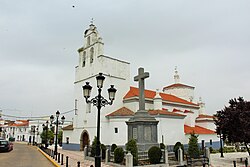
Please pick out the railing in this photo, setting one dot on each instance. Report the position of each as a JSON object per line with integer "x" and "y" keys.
{"x": 198, "y": 161}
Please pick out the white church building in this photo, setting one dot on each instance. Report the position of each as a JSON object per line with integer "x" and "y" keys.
{"x": 178, "y": 114}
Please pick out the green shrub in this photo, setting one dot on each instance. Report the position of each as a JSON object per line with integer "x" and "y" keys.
{"x": 193, "y": 147}
{"x": 118, "y": 155}
{"x": 93, "y": 147}
{"x": 11, "y": 139}
{"x": 113, "y": 147}
{"x": 162, "y": 146}
{"x": 132, "y": 147}
{"x": 228, "y": 149}
{"x": 154, "y": 155}
{"x": 176, "y": 148}
{"x": 103, "y": 148}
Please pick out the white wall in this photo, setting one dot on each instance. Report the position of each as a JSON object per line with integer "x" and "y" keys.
{"x": 172, "y": 130}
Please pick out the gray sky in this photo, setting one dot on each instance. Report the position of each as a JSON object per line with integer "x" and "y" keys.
{"x": 209, "y": 42}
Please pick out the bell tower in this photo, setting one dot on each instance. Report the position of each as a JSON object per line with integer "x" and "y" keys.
{"x": 88, "y": 54}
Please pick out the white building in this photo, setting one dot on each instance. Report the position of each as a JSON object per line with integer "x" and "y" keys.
{"x": 174, "y": 107}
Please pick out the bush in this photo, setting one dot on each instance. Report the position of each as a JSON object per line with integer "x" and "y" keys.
{"x": 154, "y": 155}
{"x": 11, "y": 139}
{"x": 93, "y": 147}
{"x": 162, "y": 146}
{"x": 132, "y": 147}
{"x": 103, "y": 148}
{"x": 176, "y": 148}
{"x": 113, "y": 147}
{"x": 118, "y": 155}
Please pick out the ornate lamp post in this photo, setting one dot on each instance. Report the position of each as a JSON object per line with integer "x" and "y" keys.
{"x": 99, "y": 102}
{"x": 45, "y": 127}
{"x": 56, "y": 122}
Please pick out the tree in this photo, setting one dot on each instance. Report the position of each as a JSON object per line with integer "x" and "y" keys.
{"x": 193, "y": 147}
{"x": 50, "y": 136}
{"x": 60, "y": 137}
{"x": 233, "y": 122}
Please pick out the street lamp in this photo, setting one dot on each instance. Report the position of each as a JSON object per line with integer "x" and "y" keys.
{"x": 56, "y": 122}
{"x": 33, "y": 132}
{"x": 45, "y": 127}
{"x": 221, "y": 147}
{"x": 99, "y": 102}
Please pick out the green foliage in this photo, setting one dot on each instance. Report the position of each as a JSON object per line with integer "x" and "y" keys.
{"x": 154, "y": 155}
{"x": 113, "y": 147}
{"x": 233, "y": 121}
{"x": 93, "y": 147}
{"x": 118, "y": 155}
{"x": 162, "y": 146}
{"x": 228, "y": 149}
{"x": 50, "y": 136}
{"x": 103, "y": 148}
{"x": 11, "y": 139}
{"x": 193, "y": 147}
{"x": 176, "y": 147}
{"x": 132, "y": 147}
{"x": 60, "y": 137}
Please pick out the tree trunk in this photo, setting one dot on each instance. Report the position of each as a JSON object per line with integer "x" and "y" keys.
{"x": 247, "y": 148}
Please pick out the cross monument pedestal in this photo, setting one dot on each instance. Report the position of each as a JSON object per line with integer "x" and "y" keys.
{"x": 142, "y": 127}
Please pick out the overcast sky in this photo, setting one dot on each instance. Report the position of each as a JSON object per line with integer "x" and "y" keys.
{"x": 209, "y": 42}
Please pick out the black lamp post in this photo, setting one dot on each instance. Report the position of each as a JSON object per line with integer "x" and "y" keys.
{"x": 99, "y": 102}
{"x": 45, "y": 127}
{"x": 33, "y": 131}
{"x": 56, "y": 122}
{"x": 221, "y": 147}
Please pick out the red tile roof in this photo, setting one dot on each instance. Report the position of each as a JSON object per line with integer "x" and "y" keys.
{"x": 122, "y": 112}
{"x": 177, "y": 85}
{"x": 134, "y": 92}
{"x": 127, "y": 112}
{"x": 188, "y": 111}
{"x": 20, "y": 123}
{"x": 163, "y": 112}
{"x": 197, "y": 130}
{"x": 69, "y": 127}
{"x": 205, "y": 116}
{"x": 176, "y": 110}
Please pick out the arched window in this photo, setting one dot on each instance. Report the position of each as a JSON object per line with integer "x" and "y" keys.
{"x": 88, "y": 41}
{"x": 91, "y": 55}
{"x": 84, "y": 59}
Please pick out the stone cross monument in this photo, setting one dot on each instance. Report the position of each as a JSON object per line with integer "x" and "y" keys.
{"x": 142, "y": 127}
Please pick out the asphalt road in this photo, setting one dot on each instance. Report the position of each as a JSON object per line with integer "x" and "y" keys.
{"x": 24, "y": 155}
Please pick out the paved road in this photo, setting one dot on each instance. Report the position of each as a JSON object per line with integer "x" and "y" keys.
{"x": 24, "y": 156}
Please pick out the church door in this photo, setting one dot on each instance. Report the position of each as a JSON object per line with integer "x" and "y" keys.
{"x": 84, "y": 141}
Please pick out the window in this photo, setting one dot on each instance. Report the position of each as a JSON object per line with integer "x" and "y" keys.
{"x": 84, "y": 59}
{"x": 88, "y": 41}
{"x": 134, "y": 133}
{"x": 67, "y": 140}
{"x": 116, "y": 130}
{"x": 91, "y": 55}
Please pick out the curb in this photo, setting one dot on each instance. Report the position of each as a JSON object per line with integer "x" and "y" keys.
{"x": 49, "y": 158}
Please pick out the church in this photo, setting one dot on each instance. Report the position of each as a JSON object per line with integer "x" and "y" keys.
{"x": 173, "y": 106}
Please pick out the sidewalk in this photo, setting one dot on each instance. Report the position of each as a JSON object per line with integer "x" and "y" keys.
{"x": 228, "y": 159}
{"x": 75, "y": 156}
